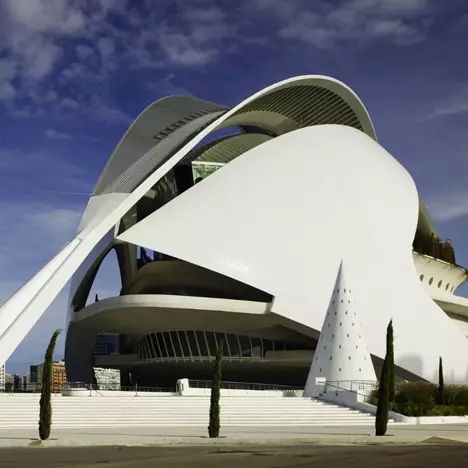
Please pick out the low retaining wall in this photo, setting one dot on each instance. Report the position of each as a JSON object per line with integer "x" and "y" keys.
{"x": 356, "y": 401}
{"x": 185, "y": 390}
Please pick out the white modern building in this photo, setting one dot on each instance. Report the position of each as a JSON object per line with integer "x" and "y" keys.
{"x": 231, "y": 224}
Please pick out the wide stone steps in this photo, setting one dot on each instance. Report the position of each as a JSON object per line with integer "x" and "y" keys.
{"x": 22, "y": 411}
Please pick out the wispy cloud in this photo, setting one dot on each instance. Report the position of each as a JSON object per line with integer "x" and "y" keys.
{"x": 56, "y": 135}
{"x": 51, "y": 47}
{"x": 323, "y": 25}
{"x": 451, "y": 100}
{"x": 449, "y": 206}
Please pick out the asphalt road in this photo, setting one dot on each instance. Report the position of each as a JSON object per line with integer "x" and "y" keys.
{"x": 387, "y": 456}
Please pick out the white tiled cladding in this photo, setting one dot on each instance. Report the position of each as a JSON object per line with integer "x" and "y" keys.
{"x": 440, "y": 278}
{"x": 20, "y": 411}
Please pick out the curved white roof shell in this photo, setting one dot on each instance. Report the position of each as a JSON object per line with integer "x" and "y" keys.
{"x": 327, "y": 171}
{"x": 285, "y": 233}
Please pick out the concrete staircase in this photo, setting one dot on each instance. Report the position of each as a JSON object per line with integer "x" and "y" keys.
{"x": 22, "y": 411}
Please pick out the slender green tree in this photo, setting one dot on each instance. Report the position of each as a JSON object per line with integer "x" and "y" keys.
{"x": 45, "y": 412}
{"x": 391, "y": 364}
{"x": 441, "y": 388}
{"x": 214, "y": 426}
{"x": 383, "y": 405}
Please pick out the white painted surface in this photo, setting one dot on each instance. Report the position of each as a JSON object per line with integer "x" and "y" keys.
{"x": 348, "y": 199}
{"x": 435, "y": 420}
{"x": 440, "y": 278}
{"x": 19, "y": 314}
{"x": 341, "y": 353}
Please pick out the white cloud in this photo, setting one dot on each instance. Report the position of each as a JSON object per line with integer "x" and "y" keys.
{"x": 449, "y": 206}
{"x": 40, "y": 59}
{"x": 83, "y": 51}
{"x": 7, "y": 74}
{"x": 69, "y": 103}
{"x": 453, "y": 100}
{"x": 167, "y": 86}
{"x": 7, "y": 91}
{"x": 181, "y": 50}
{"x": 200, "y": 41}
{"x": 39, "y": 222}
{"x": 322, "y": 25}
{"x": 56, "y": 135}
{"x": 37, "y": 77}
{"x": 106, "y": 46}
{"x": 46, "y": 15}
{"x": 107, "y": 112}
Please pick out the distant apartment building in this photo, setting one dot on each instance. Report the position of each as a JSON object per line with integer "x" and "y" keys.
{"x": 35, "y": 375}
{"x": 9, "y": 380}
{"x": 2, "y": 377}
{"x": 59, "y": 376}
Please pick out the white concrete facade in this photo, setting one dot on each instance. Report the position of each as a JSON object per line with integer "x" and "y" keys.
{"x": 283, "y": 233}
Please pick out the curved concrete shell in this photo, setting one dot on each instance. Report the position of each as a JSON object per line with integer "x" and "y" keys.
{"x": 300, "y": 185}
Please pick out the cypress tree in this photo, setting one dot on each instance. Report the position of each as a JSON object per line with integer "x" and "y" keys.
{"x": 381, "y": 417}
{"x": 214, "y": 426}
{"x": 391, "y": 363}
{"x": 441, "y": 388}
{"x": 45, "y": 412}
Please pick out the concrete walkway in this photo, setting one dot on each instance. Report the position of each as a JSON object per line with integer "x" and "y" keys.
{"x": 134, "y": 436}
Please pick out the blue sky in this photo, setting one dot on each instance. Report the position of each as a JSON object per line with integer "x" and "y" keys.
{"x": 75, "y": 73}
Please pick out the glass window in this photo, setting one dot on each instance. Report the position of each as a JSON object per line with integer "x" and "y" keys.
{"x": 233, "y": 345}
{"x": 185, "y": 346}
{"x": 175, "y": 340}
{"x": 192, "y": 341}
{"x": 256, "y": 347}
{"x": 152, "y": 346}
{"x": 222, "y": 337}
{"x": 245, "y": 346}
{"x": 267, "y": 346}
{"x": 167, "y": 344}
{"x": 210, "y": 338}
{"x": 202, "y": 343}
{"x": 156, "y": 344}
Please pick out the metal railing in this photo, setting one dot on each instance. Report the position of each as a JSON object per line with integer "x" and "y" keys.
{"x": 363, "y": 387}
{"x": 29, "y": 388}
{"x": 243, "y": 386}
{"x": 118, "y": 388}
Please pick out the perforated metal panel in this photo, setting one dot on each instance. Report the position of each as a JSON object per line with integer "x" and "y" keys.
{"x": 306, "y": 105}
{"x": 153, "y": 125}
{"x": 158, "y": 154}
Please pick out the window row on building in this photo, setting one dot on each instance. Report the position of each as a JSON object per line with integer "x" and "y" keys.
{"x": 439, "y": 284}
{"x": 190, "y": 345}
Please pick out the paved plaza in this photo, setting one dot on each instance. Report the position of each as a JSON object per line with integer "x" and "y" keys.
{"x": 165, "y": 436}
